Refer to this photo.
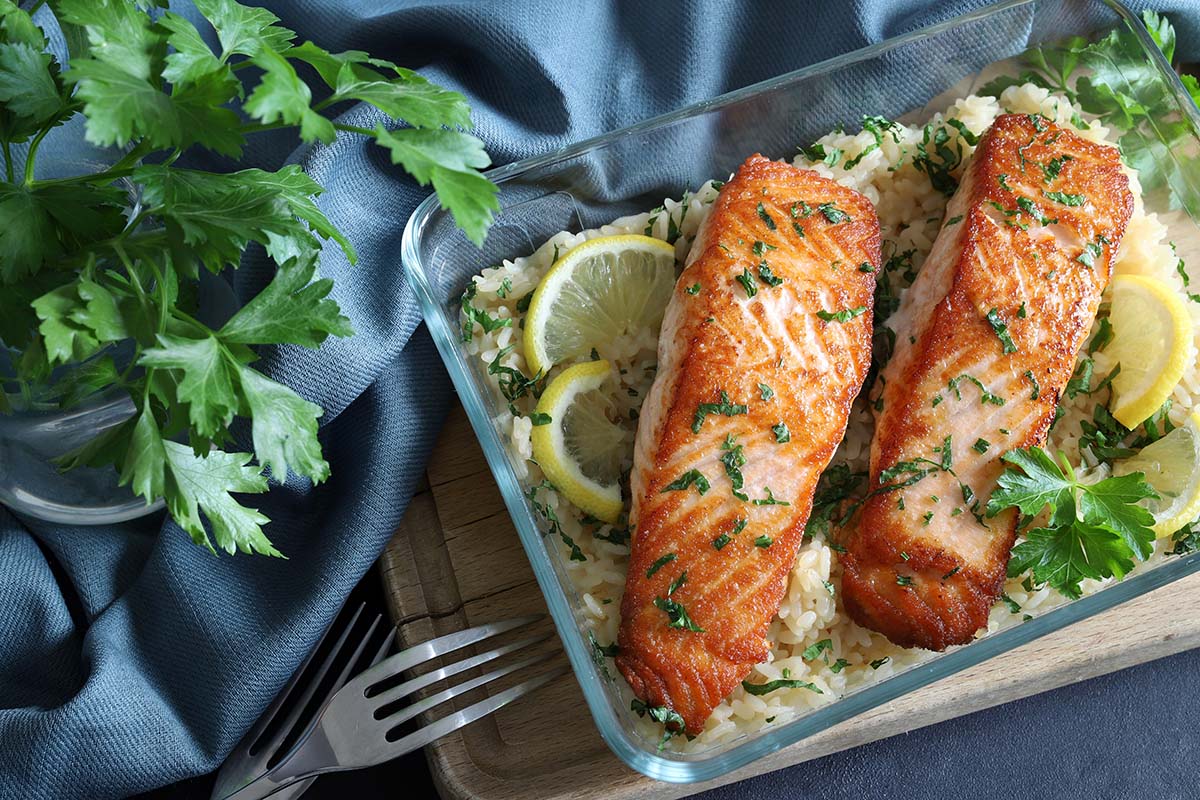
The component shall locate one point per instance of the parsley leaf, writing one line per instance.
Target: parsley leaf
(1094, 530)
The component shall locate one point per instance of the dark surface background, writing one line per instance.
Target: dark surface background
(1129, 734)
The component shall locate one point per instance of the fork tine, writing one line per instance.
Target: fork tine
(452, 722)
(267, 716)
(426, 651)
(421, 681)
(385, 647)
(402, 715)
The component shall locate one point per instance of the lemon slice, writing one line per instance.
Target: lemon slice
(603, 289)
(1172, 467)
(580, 449)
(1152, 340)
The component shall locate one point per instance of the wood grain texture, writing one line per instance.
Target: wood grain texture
(456, 561)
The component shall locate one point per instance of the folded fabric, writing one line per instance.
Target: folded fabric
(129, 657)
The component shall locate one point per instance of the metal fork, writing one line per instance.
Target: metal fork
(281, 722)
(353, 730)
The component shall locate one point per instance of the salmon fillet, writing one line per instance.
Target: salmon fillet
(987, 338)
(750, 401)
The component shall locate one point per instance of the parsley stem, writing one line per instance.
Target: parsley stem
(122, 168)
(8, 167)
(354, 129)
(31, 154)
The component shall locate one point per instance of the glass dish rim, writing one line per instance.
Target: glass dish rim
(586, 673)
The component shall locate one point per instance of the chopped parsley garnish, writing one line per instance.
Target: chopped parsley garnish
(951, 573)
(770, 500)
(523, 303)
(876, 126)
(801, 209)
(1091, 251)
(764, 541)
(866, 266)
(762, 247)
(667, 717)
(1065, 199)
(659, 564)
(798, 229)
(1013, 606)
(538, 419)
(724, 408)
(692, 476)
(981, 446)
(677, 615)
(693, 289)
(726, 538)
(1103, 336)
(746, 279)
(768, 277)
(937, 160)
(841, 316)
(927, 517)
(767, 391)
(879, 662)
(675, 584)
(477, 316)
(1052, 167)
(904, 580)
(734, 459)
(838, 666)
(504, 288)
(1037, 390)
(817, 152)
(550, 516)
(1003, 178)
(954, 220)
(765, 217)
(813, 651)
(1021, 312)
(759, 689)
(946, 449)
(984, 395)
(782, 434)
(1001, 331)
(1031, 208)
(833, 213)
(1093, 531)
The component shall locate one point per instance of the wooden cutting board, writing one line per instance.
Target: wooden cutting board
(456, 561)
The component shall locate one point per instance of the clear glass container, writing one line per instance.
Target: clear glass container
(631, 170)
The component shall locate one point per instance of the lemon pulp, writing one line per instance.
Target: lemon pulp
(579, 449)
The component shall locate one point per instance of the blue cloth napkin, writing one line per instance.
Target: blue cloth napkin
(129, 658)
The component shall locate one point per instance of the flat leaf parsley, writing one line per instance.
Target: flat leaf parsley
(102, 291)
(1093, 530)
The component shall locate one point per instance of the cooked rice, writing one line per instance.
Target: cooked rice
(910, 215)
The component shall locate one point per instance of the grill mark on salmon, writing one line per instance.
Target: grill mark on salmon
(722, 340)
(1043, 215)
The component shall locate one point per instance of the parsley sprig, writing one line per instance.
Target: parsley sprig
(1092, 531)
(1125, 91)
(103, 287)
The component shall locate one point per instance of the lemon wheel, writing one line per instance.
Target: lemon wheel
(1172, 468)
(579, 448)
(1152, 341)
(603, 289)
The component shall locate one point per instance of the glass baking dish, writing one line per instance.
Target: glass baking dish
(631, 170)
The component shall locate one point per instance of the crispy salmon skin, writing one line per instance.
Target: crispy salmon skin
(765, 343)
(986, 340)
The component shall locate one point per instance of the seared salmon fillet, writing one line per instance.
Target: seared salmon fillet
(765, 343)
(986, 341)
